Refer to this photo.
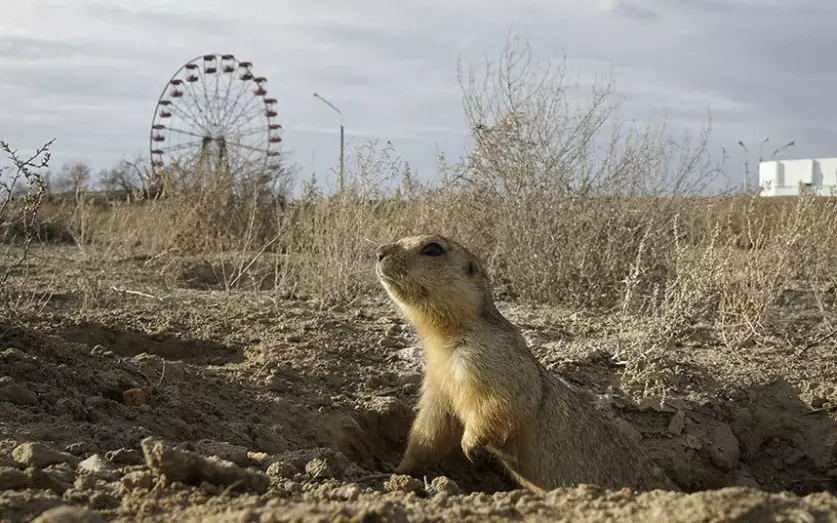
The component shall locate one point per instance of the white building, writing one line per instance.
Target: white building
(790, 177)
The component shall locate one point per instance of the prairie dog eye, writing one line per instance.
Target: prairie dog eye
(432, 249)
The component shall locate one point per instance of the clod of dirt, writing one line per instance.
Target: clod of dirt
(12, 479)
(444, 484)
(403, 483)
(134, 397)
(68, 514)
(319, 468)
(317, 463)
(57, 478)
(194, 469)
(724, 449)
(98, 466)
(138, 479)
(39, 455)
(262, 458)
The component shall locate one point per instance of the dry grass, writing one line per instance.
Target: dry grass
(567, 204)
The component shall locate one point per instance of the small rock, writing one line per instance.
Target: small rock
(403, 483)
(134, 397)
(678, 422)
(191, 468)
(125, 457)
(12, 479)
(444, 484)
(99, 467)
(78, 448)
(39, 455)
(68, 514)
(54, 479)
(258, 457)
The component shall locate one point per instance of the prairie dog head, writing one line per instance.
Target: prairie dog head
(435, 281)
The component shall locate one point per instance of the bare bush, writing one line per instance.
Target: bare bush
(22, 190)
(565, 190)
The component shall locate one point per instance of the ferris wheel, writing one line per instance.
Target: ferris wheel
(215, 113)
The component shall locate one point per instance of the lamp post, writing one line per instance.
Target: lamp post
(340, 168)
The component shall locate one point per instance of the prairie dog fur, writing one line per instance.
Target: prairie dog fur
(484, 388)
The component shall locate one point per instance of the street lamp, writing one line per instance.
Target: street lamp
(340, 169)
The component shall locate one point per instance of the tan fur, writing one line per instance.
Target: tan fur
(484, 388)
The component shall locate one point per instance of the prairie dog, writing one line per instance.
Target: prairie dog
(484, 388)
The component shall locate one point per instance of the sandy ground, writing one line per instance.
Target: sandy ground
(200, 405)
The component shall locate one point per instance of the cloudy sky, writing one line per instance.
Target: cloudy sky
(89, 72)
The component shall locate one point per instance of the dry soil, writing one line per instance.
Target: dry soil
(185, 403)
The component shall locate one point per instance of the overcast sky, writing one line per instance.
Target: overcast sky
(89, 72)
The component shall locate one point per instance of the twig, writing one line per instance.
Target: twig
(162, 375)
(821, 339)
(255, 258)
(230, 488)
(160, 255)
(137, 293)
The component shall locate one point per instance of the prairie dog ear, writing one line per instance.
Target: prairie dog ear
(471, 269)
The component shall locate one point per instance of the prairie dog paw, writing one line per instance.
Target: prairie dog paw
(471, 445)
(407, 466)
